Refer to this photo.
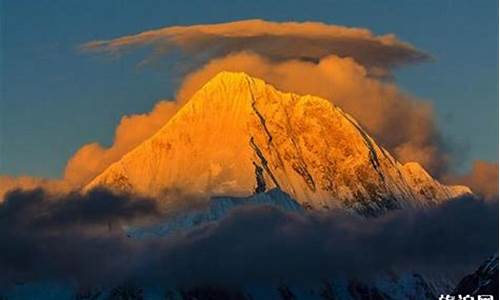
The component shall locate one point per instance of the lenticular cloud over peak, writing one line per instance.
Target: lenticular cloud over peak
(275, 40)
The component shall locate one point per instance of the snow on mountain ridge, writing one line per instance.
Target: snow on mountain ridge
(238, 135)
(217, 209)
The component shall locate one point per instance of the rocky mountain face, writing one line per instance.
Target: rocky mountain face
(484, 281)
(387, 286)
(238, 136)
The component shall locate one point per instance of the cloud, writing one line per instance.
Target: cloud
(291, 247)
(397, 120)
(91, 159)
(310, 41)
(37, 210)
(8, 183)
(74, 238)
(45, 236)
(482, 179)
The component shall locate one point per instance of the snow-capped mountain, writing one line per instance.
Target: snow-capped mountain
(217, 208)
(484, 281)
(238, 135)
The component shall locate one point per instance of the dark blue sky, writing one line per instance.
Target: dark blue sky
(54, 99)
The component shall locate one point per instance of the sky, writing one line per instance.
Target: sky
(55, 98)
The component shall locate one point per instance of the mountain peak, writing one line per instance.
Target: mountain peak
(238, 135)
(232, 80)
(227, 76)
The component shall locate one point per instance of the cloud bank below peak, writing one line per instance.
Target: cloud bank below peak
(78, 238)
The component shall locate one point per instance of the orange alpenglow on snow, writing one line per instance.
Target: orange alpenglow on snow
(238, 135)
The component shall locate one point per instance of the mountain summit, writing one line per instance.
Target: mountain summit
(238, 136)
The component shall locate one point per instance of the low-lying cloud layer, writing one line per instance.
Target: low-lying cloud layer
(46, 237)
(78, 239)
(8, 183)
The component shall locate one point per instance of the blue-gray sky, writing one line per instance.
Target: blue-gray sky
(54, 99)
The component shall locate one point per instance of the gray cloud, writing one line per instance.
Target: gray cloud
(265, 244)
(73, 236)
(70, 239)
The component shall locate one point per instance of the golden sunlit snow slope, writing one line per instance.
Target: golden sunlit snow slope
(239, 135)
